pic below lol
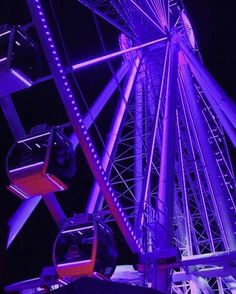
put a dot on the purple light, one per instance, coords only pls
(18, 191)
(3, 59)
(20, 77)
(115, 54)
(74, 263)
(34, 137)
(5, 33)
(55, 182)
(26, 166)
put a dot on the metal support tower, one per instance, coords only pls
(164, 175)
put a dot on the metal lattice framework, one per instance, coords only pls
(164, 175)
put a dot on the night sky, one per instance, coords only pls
(215, 30)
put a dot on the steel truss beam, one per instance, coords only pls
(114, 133)
(104, 9)
(73, 112)
(221, 204)
(165, 198)
(220, 102)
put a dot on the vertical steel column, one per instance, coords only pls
(138, 142)
(201, 202)
(211, 167)
(150, 152)
(165, 201)
(187, 218)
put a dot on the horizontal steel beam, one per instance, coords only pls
(218, 258)
(204, 273)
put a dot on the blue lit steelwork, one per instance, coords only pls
(164, 175)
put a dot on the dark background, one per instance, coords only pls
(215, 29)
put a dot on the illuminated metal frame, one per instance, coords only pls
(222, 107)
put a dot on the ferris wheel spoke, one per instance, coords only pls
(187, 219)
(72, 108)
(162, 173)
(208, 156)
(150, 154)
(222, 105)
(110, 145)
(117, 54)
(102, 99)
(200, 215)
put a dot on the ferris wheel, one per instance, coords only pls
(154, 140)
